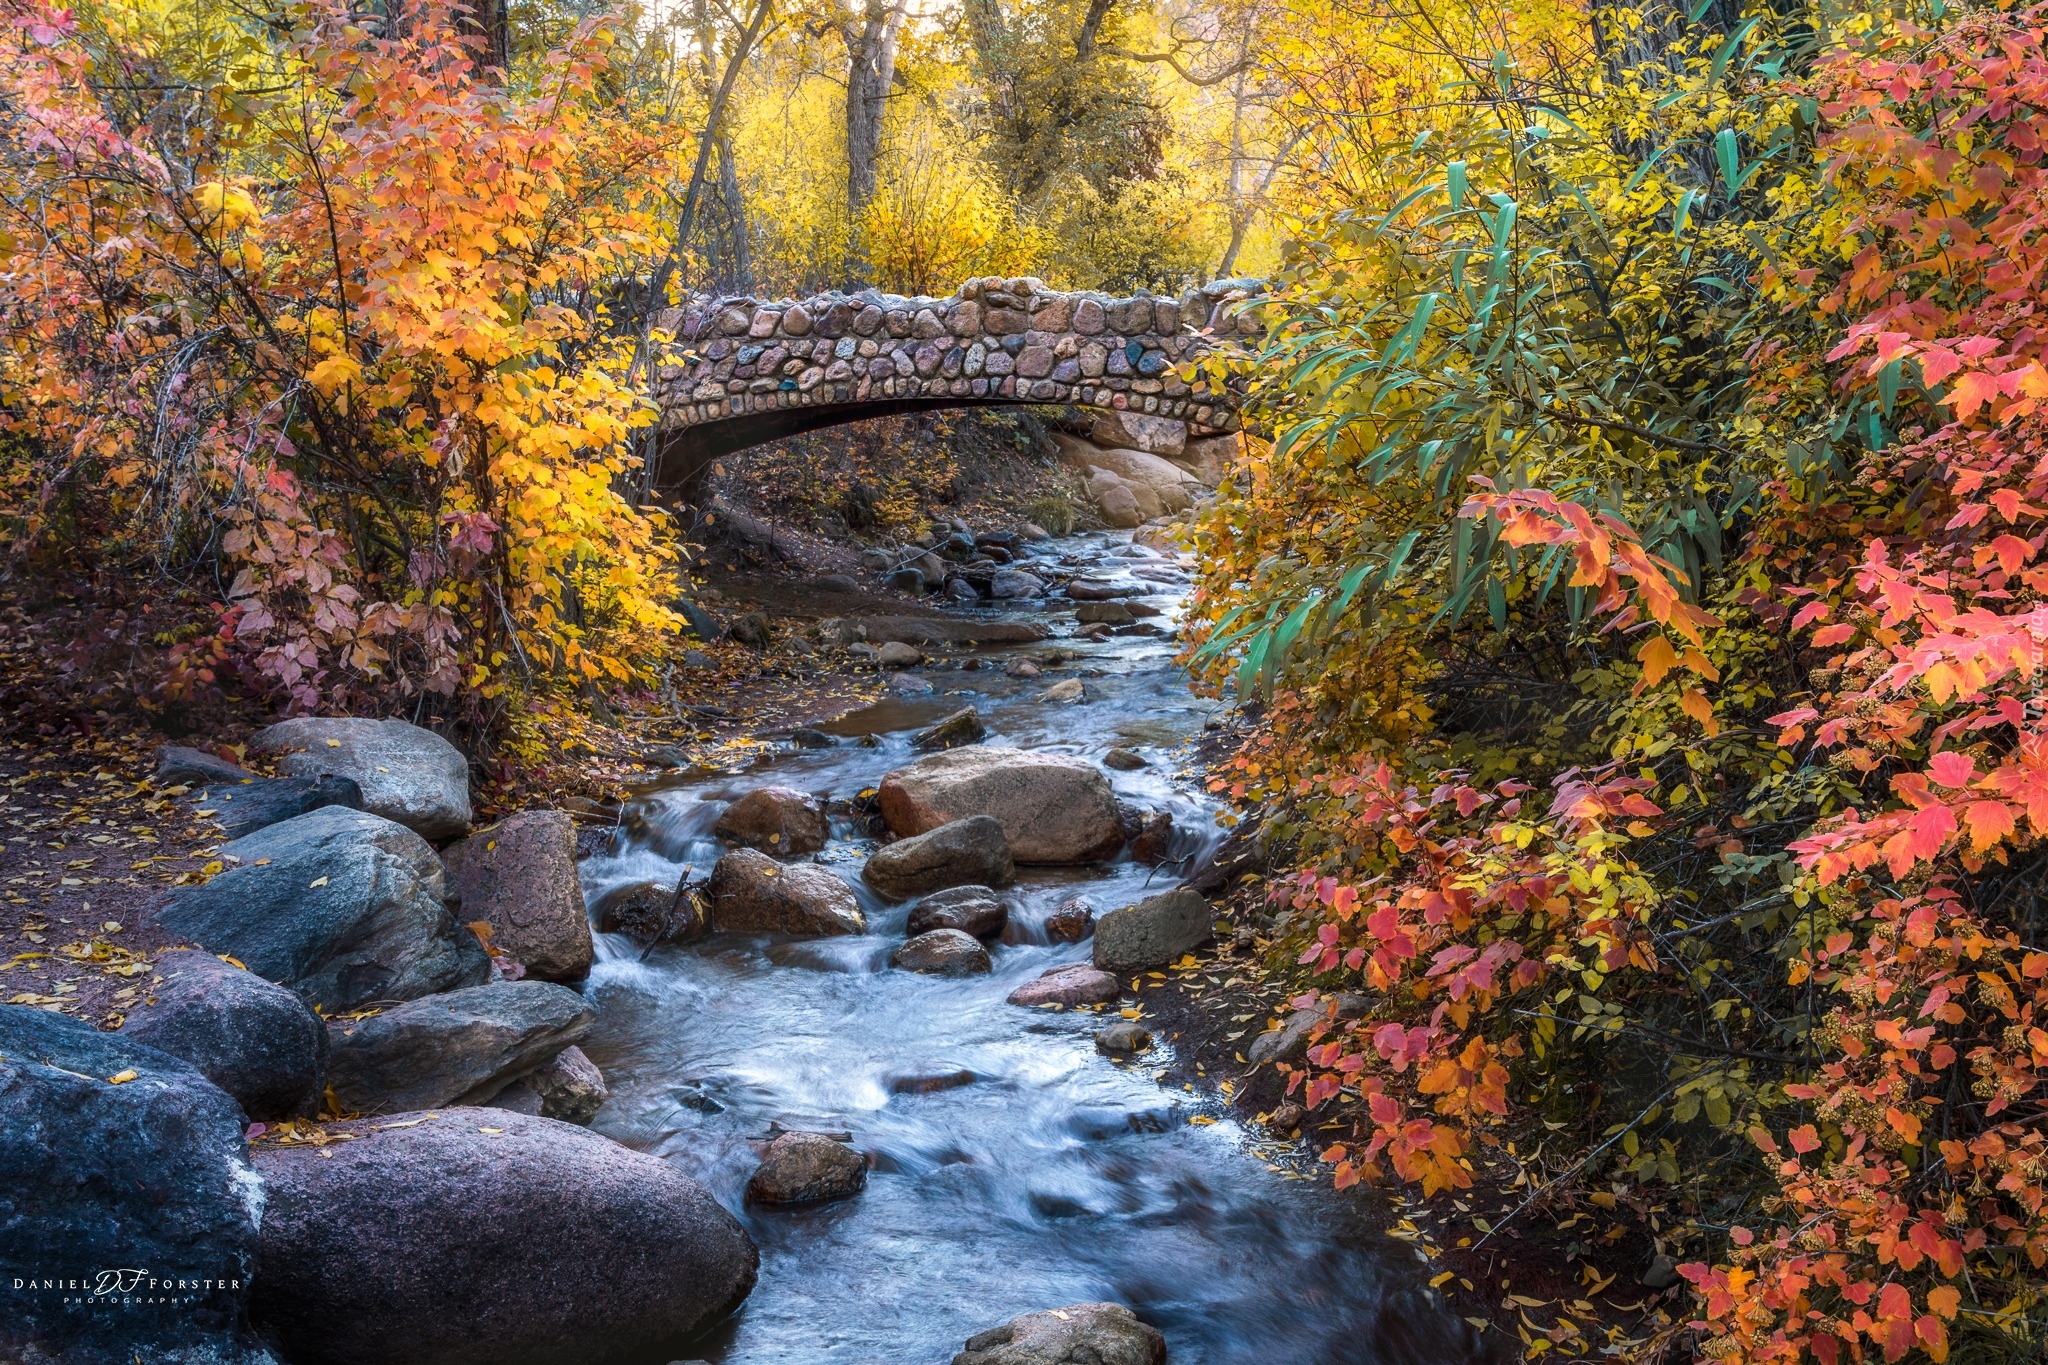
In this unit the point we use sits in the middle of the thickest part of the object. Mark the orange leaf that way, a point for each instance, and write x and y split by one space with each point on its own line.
1695 704
1657 658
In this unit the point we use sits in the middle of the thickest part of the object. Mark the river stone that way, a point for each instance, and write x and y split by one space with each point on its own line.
975 910
406 774
150 1176
569 1087
972 851
1052 808
178 764
1073 921
1123 1038
253 1039
752 893
1010 584
342 906
943 952
458 1048
805 1168
1077 983
1153 932
778 820
483 1237
1104 613
1124 760
1023 668
645 911
519 876
896 654
1071 690
962 727
1094 1333
245 807
1106 589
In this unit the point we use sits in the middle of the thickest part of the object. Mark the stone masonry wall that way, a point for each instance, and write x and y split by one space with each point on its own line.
994 341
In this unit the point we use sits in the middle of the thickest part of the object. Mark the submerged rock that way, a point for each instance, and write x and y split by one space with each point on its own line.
483 1237
1094 1333
807 1168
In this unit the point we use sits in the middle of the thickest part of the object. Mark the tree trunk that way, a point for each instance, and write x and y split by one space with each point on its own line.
870 71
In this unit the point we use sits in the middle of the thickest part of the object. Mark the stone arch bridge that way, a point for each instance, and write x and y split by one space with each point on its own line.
739 371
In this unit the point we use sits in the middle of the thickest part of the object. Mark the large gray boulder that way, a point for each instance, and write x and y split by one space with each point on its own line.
777 820
252 1038
342 906
970 852
519 876
483 1237
459 1048
121 1168
1053 809
751 893
1153 932
1097 1333
245 807
406 774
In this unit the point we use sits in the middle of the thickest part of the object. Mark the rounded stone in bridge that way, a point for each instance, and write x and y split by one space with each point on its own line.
738 372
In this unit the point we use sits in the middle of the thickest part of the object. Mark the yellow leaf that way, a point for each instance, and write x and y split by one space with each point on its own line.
122 1077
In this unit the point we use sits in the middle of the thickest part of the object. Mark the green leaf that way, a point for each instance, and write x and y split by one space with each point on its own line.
1730 156
1454 177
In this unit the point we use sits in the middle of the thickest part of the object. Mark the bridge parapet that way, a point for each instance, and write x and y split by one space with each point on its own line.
740 370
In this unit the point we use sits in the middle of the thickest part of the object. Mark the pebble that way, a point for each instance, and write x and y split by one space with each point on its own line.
1122 1039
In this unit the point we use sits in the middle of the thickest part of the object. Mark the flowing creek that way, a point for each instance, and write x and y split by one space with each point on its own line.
1054 1175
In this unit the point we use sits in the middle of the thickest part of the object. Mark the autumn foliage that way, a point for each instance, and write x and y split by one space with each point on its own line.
1747 898
334 311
